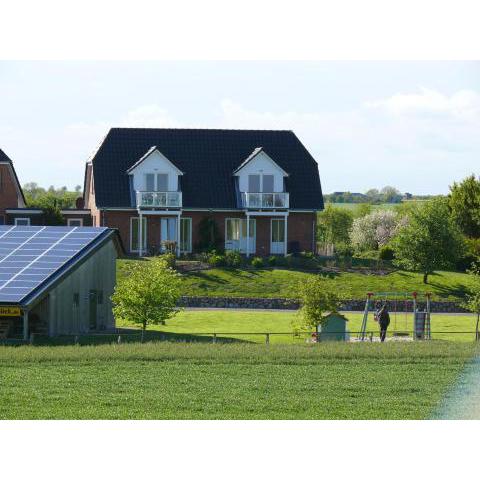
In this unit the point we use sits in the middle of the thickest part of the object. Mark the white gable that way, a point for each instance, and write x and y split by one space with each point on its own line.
154 162
261 164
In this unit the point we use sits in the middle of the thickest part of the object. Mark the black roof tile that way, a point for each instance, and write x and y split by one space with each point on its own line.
208 159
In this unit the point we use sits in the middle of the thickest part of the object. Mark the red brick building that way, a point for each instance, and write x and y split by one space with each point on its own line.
255 191
12 202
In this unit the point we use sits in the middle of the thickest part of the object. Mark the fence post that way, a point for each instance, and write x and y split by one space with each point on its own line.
214 339
267 338
32 338
119 339
75 340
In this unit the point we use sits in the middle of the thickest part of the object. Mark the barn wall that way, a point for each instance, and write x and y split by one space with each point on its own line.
96 273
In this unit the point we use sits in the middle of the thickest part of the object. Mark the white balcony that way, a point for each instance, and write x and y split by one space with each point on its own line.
159 199
265 200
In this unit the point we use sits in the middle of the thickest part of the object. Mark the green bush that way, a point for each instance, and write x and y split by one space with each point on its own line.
386 253
272 260
233 259
216 260
257 262
344 250
310 255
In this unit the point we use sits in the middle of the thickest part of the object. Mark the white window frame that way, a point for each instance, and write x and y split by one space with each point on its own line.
189 220
155 180
69 220
22 218
144 249
277 219
253 224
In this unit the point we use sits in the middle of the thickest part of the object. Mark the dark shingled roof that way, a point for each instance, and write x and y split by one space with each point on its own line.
4 157
208 159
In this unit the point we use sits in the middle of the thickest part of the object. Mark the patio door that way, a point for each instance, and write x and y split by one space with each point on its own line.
236 237
168 230
277 245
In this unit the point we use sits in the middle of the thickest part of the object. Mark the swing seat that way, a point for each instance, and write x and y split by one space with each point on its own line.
401 334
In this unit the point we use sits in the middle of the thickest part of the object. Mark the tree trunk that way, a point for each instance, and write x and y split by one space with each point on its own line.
144 327
425 278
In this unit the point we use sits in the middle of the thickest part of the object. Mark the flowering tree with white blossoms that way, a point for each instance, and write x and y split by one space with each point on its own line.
375 230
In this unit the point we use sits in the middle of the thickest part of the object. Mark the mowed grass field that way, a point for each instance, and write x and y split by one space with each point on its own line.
229 381
241 324
284 283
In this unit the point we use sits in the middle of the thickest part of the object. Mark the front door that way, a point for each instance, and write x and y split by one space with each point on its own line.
92 309
168 231
277 245
236 235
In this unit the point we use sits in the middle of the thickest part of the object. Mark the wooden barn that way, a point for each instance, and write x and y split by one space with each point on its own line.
56 280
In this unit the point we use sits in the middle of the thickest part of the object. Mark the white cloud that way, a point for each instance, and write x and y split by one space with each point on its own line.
149 116
463 104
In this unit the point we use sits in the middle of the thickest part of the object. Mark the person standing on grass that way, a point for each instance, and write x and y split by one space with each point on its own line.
383 321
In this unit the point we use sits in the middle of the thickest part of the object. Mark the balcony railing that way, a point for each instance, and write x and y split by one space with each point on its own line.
265 200
159 199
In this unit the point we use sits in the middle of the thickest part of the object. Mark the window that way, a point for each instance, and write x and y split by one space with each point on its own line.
162 182
75 222
254 183
134 234
267 184
156 182
149 182
278 230
186 235
233 229
22 221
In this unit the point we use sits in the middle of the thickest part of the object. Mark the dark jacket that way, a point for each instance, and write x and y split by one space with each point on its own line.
384 317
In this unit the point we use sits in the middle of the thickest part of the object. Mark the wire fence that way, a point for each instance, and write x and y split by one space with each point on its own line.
130 336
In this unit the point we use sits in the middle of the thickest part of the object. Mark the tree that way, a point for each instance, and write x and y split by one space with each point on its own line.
209 234
391 195
472 302
319 296
149 293
430 241
464 201
362 210
374 230
334 225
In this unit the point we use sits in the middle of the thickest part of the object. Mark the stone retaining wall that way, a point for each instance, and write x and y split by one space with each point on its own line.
292 304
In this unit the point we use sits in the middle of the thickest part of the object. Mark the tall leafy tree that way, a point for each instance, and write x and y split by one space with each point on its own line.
334 225
149 293
472 302
430 241
464 202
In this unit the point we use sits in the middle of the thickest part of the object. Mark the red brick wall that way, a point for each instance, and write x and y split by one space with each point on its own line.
8 192
300 228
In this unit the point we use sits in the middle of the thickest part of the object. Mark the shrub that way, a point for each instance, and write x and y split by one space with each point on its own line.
169 259
319 296
215 259
257 262
209 234
386 253
344 250
233 259
272 260
309 255
334 225
148 294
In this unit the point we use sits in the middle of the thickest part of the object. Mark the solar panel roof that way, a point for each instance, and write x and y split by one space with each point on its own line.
31 256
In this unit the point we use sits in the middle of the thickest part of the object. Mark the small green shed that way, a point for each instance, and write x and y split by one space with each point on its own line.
334 328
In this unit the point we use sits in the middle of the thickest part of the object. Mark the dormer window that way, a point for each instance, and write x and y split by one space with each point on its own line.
261 182
156 182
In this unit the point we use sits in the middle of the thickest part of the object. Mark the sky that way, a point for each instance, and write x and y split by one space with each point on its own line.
413 125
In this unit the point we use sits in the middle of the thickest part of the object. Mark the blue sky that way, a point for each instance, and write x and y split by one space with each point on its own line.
414 125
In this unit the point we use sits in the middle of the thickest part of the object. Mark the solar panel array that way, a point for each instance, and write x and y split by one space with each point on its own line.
31 255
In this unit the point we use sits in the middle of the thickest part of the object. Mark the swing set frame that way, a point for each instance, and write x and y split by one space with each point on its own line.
420 319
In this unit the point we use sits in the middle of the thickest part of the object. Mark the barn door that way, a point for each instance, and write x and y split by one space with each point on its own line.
92 309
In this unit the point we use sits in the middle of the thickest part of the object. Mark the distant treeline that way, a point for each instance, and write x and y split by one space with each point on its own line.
373 196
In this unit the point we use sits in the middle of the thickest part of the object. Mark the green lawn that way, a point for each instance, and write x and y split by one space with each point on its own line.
233 324
353 206
284 283
242 381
